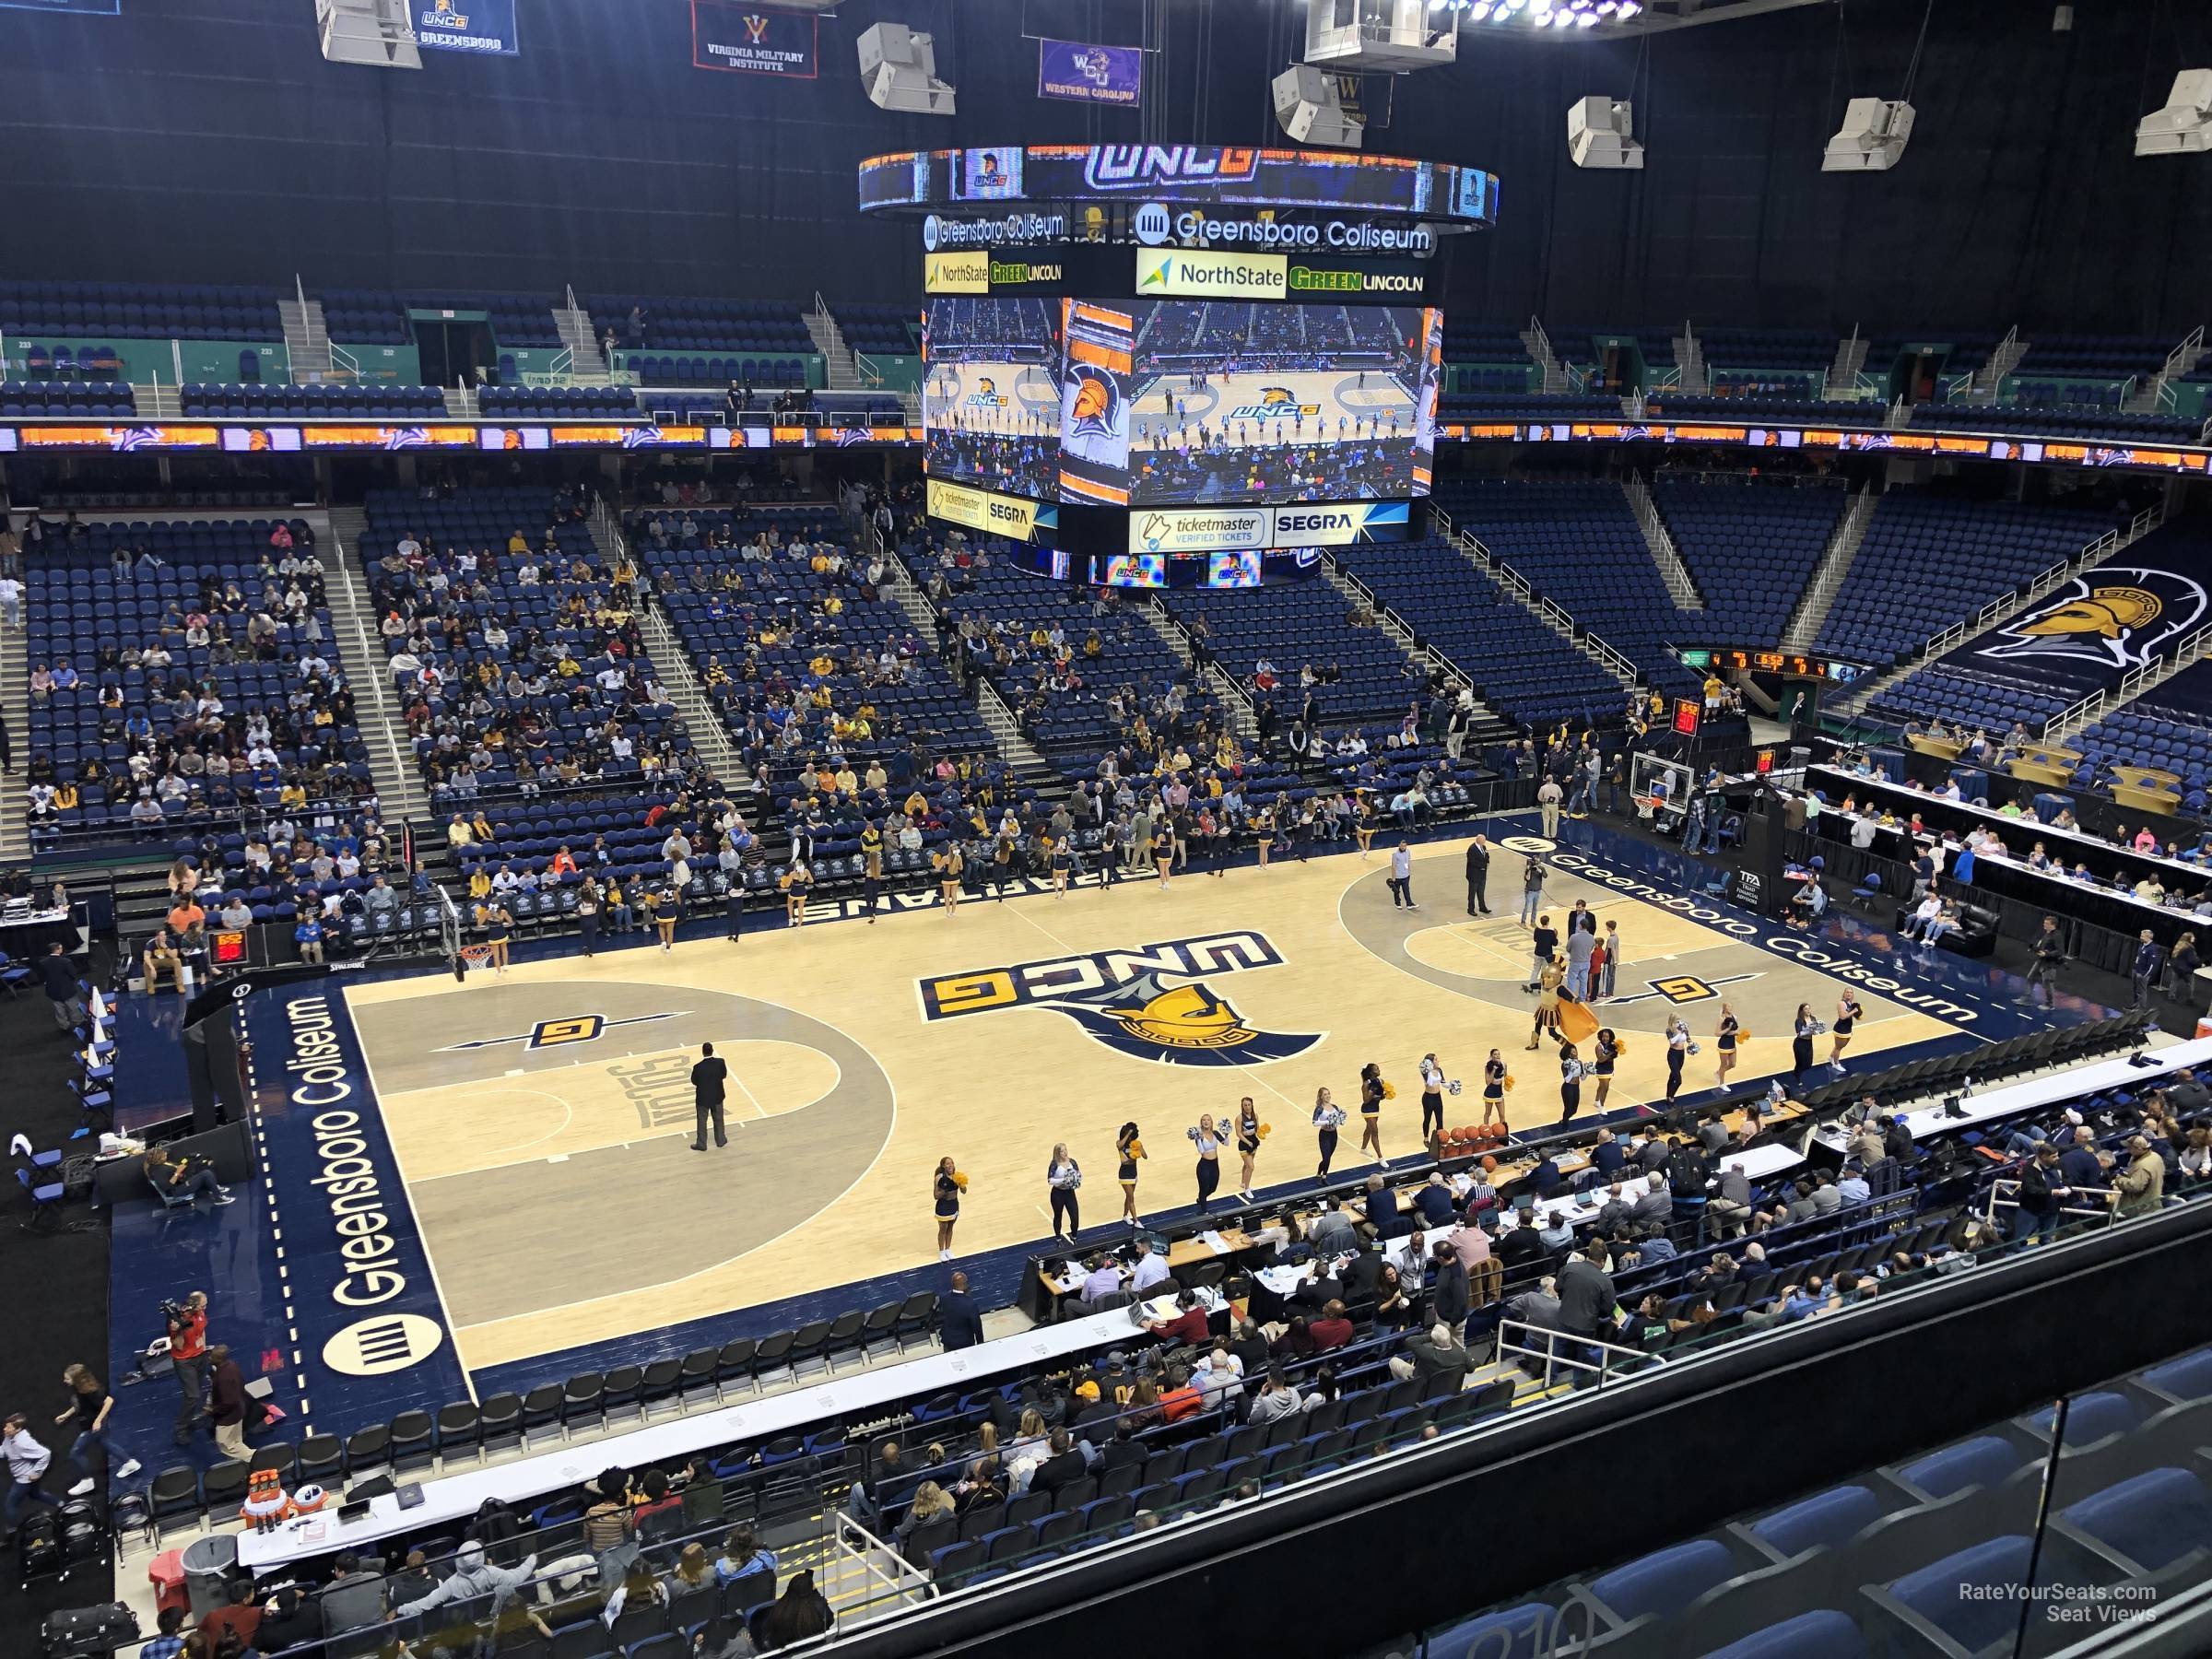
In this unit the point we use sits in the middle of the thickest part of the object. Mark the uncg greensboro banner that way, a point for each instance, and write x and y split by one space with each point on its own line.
1087 74
754 40
482 26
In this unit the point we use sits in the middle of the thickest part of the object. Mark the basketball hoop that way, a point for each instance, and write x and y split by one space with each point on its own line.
471 956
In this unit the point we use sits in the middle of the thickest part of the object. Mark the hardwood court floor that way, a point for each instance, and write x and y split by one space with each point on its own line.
541 1120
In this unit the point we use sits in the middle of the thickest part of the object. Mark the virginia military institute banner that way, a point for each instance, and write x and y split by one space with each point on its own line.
754 40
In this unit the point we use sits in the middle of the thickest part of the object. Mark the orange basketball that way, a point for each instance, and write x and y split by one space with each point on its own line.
1489 1163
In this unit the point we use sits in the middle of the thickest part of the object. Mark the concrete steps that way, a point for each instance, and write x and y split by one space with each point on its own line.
1661 541
1819 596
361 654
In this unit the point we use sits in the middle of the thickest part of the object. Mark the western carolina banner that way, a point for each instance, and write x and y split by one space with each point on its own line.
1087 74
466 26
756 40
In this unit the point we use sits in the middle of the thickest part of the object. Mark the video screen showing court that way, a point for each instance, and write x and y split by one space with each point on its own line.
1259 402
991 393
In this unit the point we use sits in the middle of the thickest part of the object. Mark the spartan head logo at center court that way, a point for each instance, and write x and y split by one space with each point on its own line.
1150 1004
2120 617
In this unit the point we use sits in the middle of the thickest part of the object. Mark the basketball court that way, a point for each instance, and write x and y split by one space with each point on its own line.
540 1121
997 397
1260 407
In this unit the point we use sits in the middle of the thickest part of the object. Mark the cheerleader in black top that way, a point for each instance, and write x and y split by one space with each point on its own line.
1570 1082
947 1186
1129 1149
1493 1091
1371 1091
1804 1027
1250 1132
1677 1050
1607 1052
1848 1013
1724 1040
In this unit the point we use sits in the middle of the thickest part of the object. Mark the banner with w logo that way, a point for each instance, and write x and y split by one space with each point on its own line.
754 40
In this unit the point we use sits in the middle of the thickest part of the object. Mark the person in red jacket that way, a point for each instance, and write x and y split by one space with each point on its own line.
1332 1330
1190 1324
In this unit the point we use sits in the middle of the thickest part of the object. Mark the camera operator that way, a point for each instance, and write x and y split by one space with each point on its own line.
188 1354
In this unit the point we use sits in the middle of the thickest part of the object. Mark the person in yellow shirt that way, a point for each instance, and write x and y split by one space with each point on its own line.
517 545
291 798
716 673
833 606
479 884
821 663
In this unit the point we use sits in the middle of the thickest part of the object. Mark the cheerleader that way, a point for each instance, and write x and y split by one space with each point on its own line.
1250 1133
1548 1002
1262 832
1207 1140
1363 825
1063 862
1128 1147
1328 1117
667 913
949 865
1063 1175
587 914
1372 1093
948 1184
1847 1015
1432 1097
1493 1091
1804 1027
1677 1051
1570 1082
1163 850
1607 1052
796 883
501 932
1724 1040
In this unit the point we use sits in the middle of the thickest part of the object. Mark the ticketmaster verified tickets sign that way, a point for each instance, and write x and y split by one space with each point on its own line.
986 510
1236 529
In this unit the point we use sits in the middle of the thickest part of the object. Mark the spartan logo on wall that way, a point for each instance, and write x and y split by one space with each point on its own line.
1150 1003
2120 615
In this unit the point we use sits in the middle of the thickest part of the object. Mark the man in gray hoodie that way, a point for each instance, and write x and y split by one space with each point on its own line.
473 1576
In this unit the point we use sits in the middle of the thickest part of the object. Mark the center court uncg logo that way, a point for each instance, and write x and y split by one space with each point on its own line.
1152 224
1153 1003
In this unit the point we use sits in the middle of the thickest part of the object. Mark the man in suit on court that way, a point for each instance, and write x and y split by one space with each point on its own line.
1479 877
960 1321
709 1077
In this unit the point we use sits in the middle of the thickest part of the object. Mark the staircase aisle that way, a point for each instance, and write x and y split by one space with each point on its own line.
1485 724
1661 540
362 656
1820 595
14 707
1216 679
672 665
306 339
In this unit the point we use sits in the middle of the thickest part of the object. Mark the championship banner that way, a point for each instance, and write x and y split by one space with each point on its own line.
1082 72
479 26
754 40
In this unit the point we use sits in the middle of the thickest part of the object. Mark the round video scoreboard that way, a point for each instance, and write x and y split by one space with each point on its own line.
1165 364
